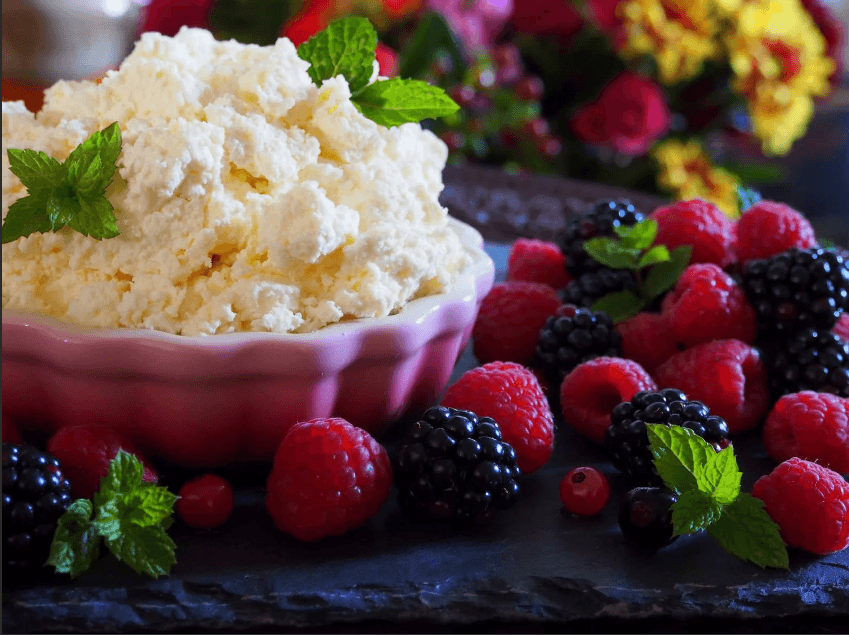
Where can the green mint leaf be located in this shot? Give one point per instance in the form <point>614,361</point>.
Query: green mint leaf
<point>76,543</point>
<point>720,477</point>
<point>655,255</point>
<point>694,511</point>
<point>663,275</point>
<point>26,216</point>
<point>95,217</point>
<point>346,47</point>
<point>745,530</point>
<point>619,305</point>
<point>639,235</point>
<point>610,253</point>
<point>36,170</point>
<point>746,197</point>
<point>146,549</point>
<point>60,209</point>
<point>679,456</point>
<point>152,505</point>
<point>124,476</point>
<point>91,166</point>
<point>396,101</point>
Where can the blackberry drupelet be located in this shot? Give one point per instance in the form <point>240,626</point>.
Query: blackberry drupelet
<point>645,517</point>
<point>573,336</point>
<point>811,359</point>
<point>627,441</point>
<point>599,221</point>
<point>586,289</point>
<point>797,289</point>
<point>453,466</point>
<point>35,495</point>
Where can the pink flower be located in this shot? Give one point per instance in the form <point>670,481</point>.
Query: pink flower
<point>476,22</point>
<point>629,115</point>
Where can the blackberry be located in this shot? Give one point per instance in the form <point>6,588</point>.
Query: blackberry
<point>797,289</point>
<point>645,517</point>
<point>627,441</point>
<point>35,495</point>
<point>810,360</point>
<point>586,289</point>
<point>453,466</point>
<point>573,336</point>
<point>599,221</point>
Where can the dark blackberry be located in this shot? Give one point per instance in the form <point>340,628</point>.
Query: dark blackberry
<point>35,495</point>
<point>627,441</point>
<point>599,221</point>
<point>586,289</point>
<point>645,517</point>
<point>453,466</point>
<point>797,289</point>
<point>809,360</point>
<point>573,336</point>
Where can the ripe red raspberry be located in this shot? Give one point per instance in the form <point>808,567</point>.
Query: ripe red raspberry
<point>594,388</point>
<point>841,329</point>
<point>85,453</point>
<point>728,376</point>
<point>706,304</point>
<point>809,503</point>
<point>645,339</point>
<point>510,394</point>
<point>768,228</point>
<point>584,491</point>
<point>205,502</point>
<point>532,260</point>
<point>11,433</point>
<point>812,426</point>
<point>700,224</point>
<point>510,318</point>
<point>328,477</point>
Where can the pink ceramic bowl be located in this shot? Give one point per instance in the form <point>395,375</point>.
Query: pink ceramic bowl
<point>209,401</point>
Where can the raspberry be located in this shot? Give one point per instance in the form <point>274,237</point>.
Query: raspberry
<point>509,320</point>
<point>809,503</point>
<point>706,304</point>
<point>841,329</point>
<point>205,502</point>
<point>812,426</point>
<point>645,339</point>
<point>700,224</point>
<point>328,477</point>
<point>768,228</point>
<point>590,392</point>
<point>510,394</point>
<point>726,375</point>
<point>584,491</point>
<point>86,451</point>
<point>533,260</point>
<point>11,433</point>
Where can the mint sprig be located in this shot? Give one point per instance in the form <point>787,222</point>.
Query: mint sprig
<point>347,47</point>
<point>71,193</point>
<point>709,496</point>
<point>128,514</point>
<point>655,267</point>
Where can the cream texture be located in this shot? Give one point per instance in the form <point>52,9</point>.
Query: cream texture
<point>248,199</point>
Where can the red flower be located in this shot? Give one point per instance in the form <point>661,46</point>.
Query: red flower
<point>557,18</point>
<point>387,59</point>
<point>629,115</point>
<point>167,16</point>
<point>314,17</point>
<point>832,31</point>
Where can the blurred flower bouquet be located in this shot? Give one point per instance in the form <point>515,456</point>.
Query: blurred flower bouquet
<point>638,93</point>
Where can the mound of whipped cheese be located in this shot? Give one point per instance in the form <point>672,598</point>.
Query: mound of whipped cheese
<point>248,199</point>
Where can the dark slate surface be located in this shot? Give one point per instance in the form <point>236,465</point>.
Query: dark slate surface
<point>534,569</point>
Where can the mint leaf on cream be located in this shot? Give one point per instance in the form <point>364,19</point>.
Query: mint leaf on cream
<point>395,101</point>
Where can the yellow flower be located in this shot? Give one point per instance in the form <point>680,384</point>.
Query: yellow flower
<point>778,58</point>
<point>687,172</point>
<point>679,34</point>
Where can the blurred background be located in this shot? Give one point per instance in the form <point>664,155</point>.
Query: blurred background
<point>683,98</point>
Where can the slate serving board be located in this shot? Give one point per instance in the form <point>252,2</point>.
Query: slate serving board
<point>534,569</point>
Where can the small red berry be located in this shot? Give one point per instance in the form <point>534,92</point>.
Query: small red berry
<point>530,88</point>
<point>584,491</point>
<point>205,502</point>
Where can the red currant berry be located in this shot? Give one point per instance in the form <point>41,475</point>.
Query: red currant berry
<point>205,502</point>
<point>530,88</point>
<point>584,491</point>
<point>463,95</point>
